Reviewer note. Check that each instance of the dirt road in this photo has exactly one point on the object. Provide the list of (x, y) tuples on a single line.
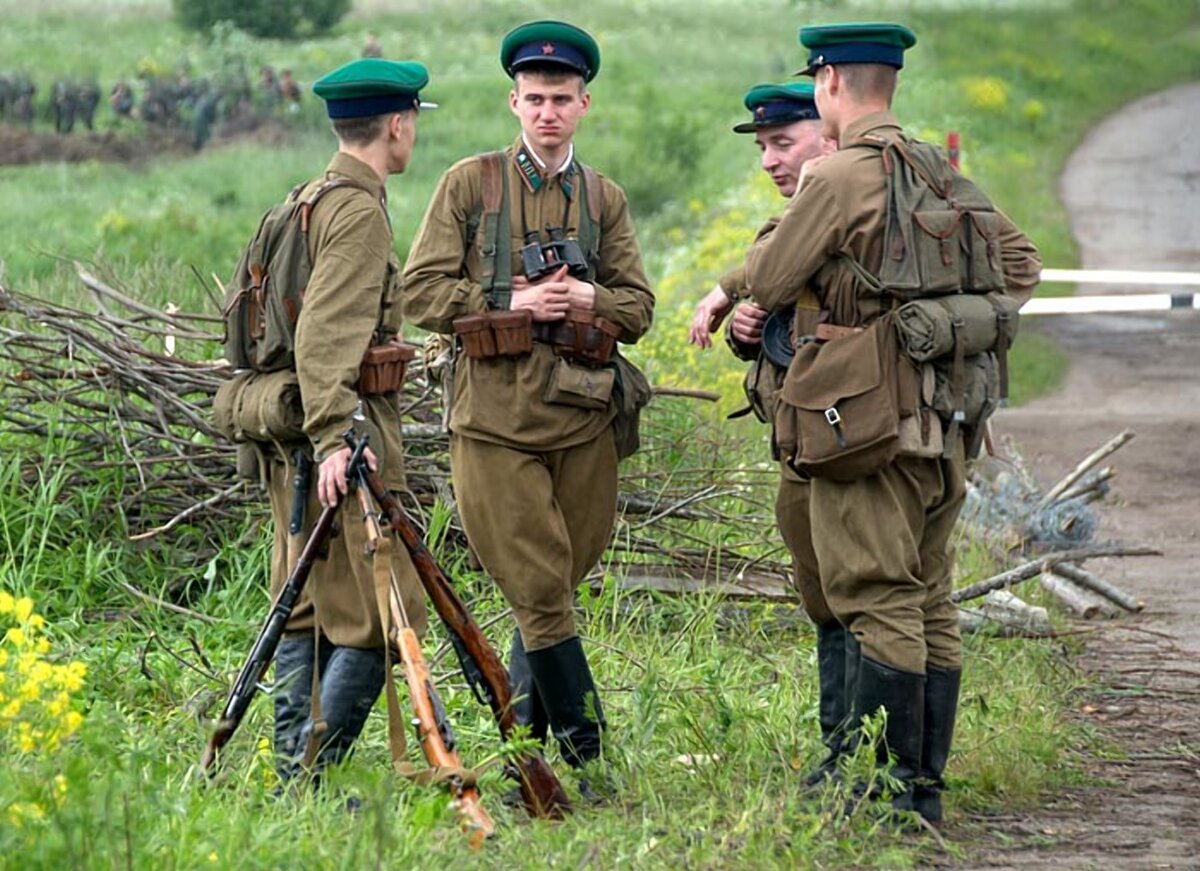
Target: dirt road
[(1133, 192)]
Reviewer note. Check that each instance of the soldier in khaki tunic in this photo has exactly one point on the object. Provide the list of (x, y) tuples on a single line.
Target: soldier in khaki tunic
[(531, 436), (349, 305), (881, 542), (787, 130)]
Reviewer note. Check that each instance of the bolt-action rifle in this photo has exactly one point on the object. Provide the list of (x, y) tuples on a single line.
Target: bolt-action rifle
[(430, 720), (541, 791), (265, 645)]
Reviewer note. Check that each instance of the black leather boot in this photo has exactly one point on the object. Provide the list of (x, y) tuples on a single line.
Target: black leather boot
[(527, 706), (350, 684), (941, 707), (564, 681), (902, 693), (833, 711), (293, 700)]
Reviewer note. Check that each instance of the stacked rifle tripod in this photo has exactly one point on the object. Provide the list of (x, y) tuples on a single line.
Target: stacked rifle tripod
[(385, 521)]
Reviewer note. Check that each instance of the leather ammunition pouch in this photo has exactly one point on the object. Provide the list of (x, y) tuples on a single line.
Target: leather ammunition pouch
[(263, 407), (581, 337), (838, 413), (495, 334), (383, 368)]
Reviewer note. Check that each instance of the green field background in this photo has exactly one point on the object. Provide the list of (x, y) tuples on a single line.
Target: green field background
[(712, 702)]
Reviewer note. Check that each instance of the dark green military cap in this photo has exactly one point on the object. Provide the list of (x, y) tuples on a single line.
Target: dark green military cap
[(775, 105), (373, 86), (553, 43), (866, 43)]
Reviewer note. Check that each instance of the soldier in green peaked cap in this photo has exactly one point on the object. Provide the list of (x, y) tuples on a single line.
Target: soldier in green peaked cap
[(534, 416), (350, 307), (882, 534), (373, 86), (868, 43), (787, 131)]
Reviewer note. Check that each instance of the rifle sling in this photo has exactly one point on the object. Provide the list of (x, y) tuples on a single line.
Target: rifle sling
[(397, 744)]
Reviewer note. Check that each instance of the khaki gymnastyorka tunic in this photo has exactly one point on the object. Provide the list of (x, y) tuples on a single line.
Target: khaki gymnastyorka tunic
[(349, 304), (536, 482), (882, 543)]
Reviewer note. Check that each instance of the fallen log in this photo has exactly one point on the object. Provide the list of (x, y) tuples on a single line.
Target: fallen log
[(1097, 584), (1005, 614), (1082, 602)]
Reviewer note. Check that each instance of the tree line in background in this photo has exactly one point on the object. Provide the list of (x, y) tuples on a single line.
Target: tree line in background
[(268, 19)]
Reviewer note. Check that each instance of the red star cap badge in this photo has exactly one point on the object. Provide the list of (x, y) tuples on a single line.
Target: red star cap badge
[(547, 48)]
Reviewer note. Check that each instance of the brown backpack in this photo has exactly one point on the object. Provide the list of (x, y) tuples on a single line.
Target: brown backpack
[(263, 301)]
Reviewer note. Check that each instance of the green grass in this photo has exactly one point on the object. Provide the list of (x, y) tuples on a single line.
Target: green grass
[(730, 684)]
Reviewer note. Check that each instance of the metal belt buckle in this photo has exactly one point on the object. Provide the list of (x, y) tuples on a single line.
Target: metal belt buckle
[(831, 415)]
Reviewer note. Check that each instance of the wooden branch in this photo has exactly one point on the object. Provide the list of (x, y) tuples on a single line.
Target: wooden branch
[(1082, 602), (1080, 470), (706, 395), (1097, 584), (1035, 567)]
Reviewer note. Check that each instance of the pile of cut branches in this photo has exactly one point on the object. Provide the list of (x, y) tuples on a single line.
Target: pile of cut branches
[(125, 391)]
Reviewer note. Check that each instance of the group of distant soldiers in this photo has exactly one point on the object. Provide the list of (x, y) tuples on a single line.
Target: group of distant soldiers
[(179, 102)]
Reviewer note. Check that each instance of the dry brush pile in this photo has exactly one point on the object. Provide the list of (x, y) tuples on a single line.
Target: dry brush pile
[(126, 390)]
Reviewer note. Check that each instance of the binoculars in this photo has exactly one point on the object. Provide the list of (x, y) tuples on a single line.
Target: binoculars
[(539, 259)]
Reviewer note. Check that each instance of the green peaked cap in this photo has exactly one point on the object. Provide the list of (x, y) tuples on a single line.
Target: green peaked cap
[(553, 43), (863, 43), (774, 105), (373, 86)]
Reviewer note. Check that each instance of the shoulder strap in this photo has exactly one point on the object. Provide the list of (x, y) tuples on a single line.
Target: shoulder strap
[(307, 204), (496, 254), (591, 218)]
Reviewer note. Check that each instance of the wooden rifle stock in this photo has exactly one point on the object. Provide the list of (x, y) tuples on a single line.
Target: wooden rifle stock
[(432, 725), (437, 742), (541, 791)]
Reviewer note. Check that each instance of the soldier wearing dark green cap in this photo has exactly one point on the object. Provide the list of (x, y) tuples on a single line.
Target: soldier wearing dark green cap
[(350, 304), (881, 540), (535, 250), (787, 130)]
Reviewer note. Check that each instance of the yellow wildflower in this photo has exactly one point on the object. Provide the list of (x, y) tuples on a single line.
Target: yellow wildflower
[(16, 635), (988, 93), (7, 603), (23, 609)]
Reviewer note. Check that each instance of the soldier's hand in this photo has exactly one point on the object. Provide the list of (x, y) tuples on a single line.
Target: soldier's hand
[(581, 295), (331, 477), (747, 323), (708, 317), (547, 299)]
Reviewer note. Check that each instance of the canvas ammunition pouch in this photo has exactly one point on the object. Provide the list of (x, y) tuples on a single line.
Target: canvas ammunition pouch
[(580, 386), (581, 337), (495, 334), (265, 407), (838, 413), (383, 368)]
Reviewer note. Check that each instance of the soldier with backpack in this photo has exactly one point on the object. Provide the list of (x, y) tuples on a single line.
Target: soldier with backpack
[(919, 278), (313, 321), (787, 130), (528, 258)]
